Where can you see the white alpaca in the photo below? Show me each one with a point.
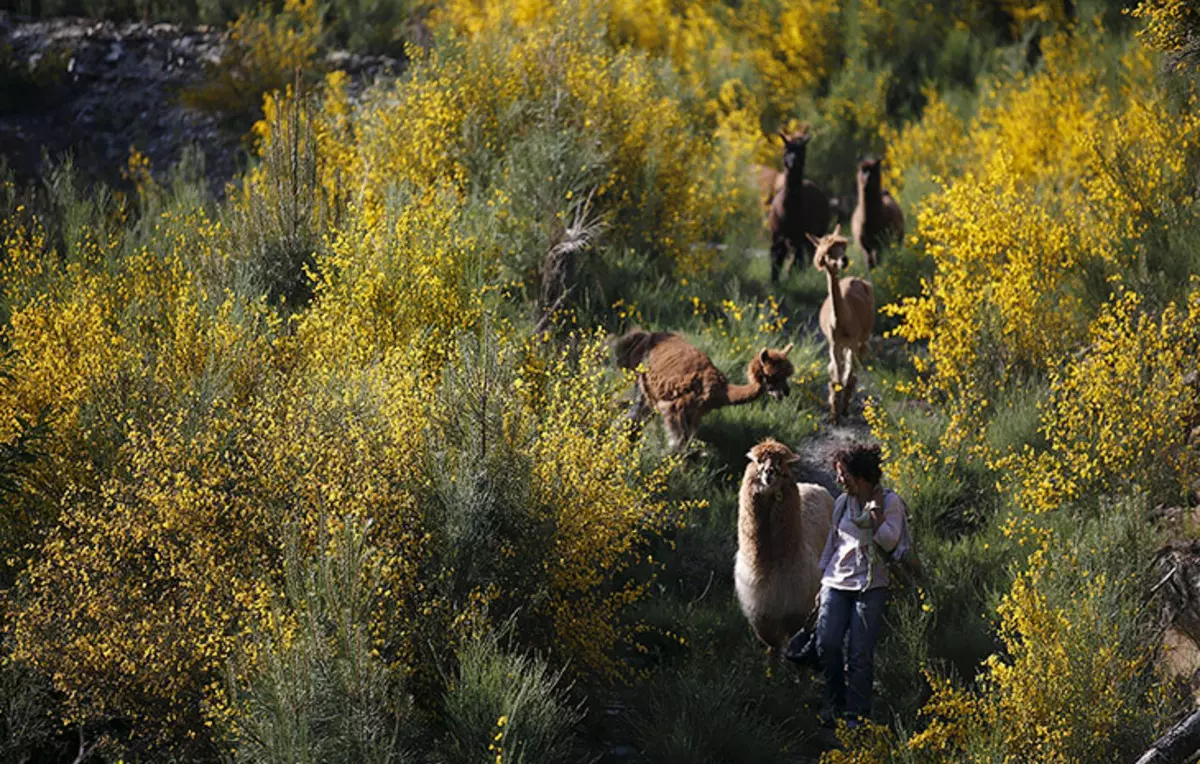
(782, 528)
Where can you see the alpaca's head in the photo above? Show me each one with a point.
(772, 370)
(829, 251)
(770, 462)
(795, 147)
(869, 171)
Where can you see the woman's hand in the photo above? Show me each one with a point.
(877, 509)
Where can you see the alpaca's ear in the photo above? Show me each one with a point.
(837, 230)
(793, 459)
(764, 356)
(815, 241)
(788, 348)
(750, 455)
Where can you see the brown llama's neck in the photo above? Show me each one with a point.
(870, 193)
(738, 394)
(835, 294)
(794, 178)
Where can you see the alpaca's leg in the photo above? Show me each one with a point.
(691, 423)
(677, 435)
(835, 384)
(641, 403)
(779, 250)
(638, 411)
(849, 380)
(792, 252)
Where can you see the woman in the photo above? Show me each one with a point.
(867, 525)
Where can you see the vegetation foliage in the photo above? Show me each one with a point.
(314, 472)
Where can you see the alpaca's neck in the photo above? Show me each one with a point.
(835, 294)
(760, 525)
(870, 194)
(794, 179)
(738, 394)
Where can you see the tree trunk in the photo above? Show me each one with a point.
(1177, 745)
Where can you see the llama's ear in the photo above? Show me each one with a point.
(815, 241)
(837, 230)
(788, 348)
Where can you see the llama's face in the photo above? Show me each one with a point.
(772, 462)
(868, 169)
(794, 148)
(831, 255)
(774, 372)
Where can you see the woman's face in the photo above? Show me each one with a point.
(848, 482)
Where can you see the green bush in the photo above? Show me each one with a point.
(325, 694)
(505, 703)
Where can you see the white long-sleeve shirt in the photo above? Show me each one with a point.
(846, 562)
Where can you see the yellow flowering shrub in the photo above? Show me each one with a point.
(1169, 25)
(149, 584)
(586, 471)
(265, 51)
(1041, 202)
(934, 146)
(789, 49)
(1065, 685)
(1119, 417)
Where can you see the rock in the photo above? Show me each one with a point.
(119, 87)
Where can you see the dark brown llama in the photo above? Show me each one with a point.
(877, 219)
(799, 208)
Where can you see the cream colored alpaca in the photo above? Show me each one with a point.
(847, 319)
(682, 383)
(782, 527)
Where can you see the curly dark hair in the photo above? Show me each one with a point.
(862, 461)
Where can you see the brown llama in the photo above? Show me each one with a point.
(877, 219)
(782, 527)
(683, 384)
(799, 208)
(847, 319)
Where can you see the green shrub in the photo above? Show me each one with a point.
(507, 704)
(276, 222)
(324, 694)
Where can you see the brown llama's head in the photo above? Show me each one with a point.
(772, 369)
(869, 171)
(830, 251)
(770, 462)
(795, 147)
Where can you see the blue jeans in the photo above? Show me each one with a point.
(860, 614)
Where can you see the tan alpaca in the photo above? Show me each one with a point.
(847, 319)
(782, 527)
(683, 384)
(767, 182)
(877, 219)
